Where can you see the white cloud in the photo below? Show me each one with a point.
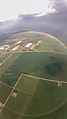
(47, 11)
(10, 9)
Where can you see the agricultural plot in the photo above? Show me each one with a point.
(27, 84)
(47, 98)
(4, 92)
(4, 56)
(61, 113)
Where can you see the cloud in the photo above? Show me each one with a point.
(59, 5)
(54, 23)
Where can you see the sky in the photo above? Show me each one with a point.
(10, 9)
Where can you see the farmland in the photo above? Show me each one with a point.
(50, 67)
(33, 83)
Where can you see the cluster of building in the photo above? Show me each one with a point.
(19, 45)
(32, 46)
(4, 47)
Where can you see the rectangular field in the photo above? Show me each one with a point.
(27, 84)
(43, 100)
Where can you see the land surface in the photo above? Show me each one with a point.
(33, 77)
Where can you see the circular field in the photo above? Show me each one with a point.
(34, 83)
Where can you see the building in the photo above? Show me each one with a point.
(28, 45)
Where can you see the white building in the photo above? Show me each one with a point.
(28, 45)
(18, 42)
(15, 48)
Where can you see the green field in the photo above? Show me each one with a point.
(61, 113)
(40, 64)
(46, 96)
(39, 98)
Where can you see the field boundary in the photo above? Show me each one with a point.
(37, 52)
(15, 88)
(45, 79)
(11, 93)
(38, 78)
